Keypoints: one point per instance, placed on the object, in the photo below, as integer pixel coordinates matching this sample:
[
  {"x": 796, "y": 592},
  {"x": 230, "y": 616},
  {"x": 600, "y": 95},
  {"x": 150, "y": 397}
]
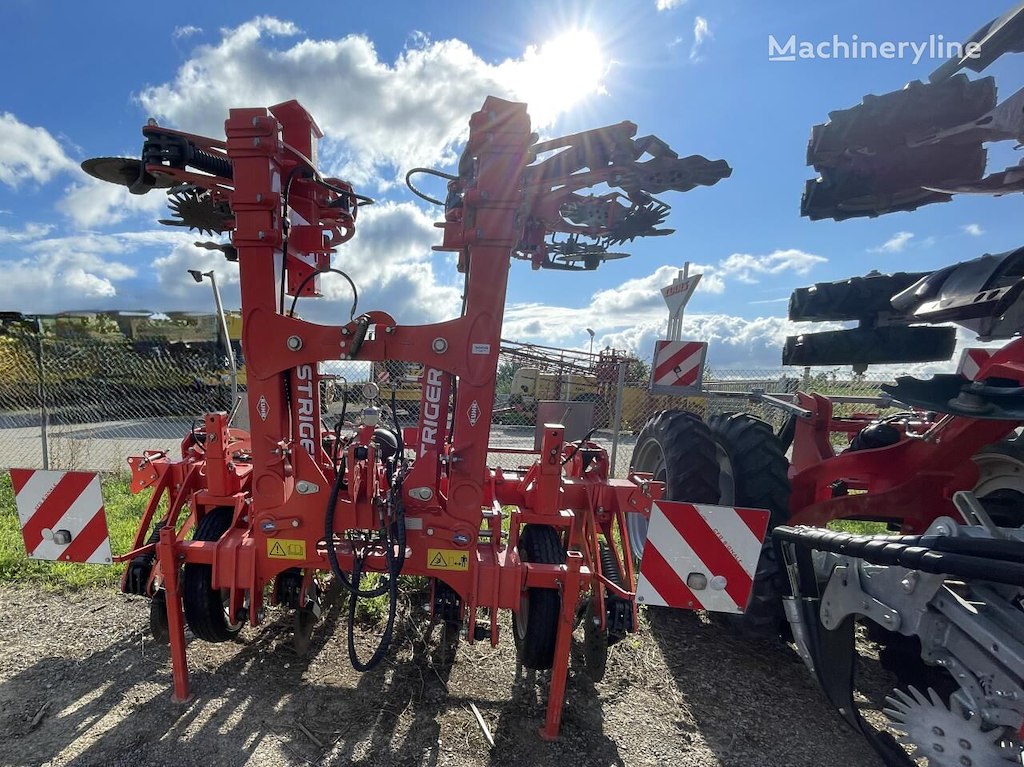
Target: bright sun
[{"x": 559, "y": 74}]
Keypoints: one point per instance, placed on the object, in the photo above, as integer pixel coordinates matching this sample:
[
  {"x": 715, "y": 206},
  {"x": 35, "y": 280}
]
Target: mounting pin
[
  {"x": 440, "y": 345},
  {"x": 294, "y": 343}
]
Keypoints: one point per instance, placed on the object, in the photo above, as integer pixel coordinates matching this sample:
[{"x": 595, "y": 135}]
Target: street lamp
[
  {"x": 198, "y": 277},
  {"x": 591, "y": 344}
]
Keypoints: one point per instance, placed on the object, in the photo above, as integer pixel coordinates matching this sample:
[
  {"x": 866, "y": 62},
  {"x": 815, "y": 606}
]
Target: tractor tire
[
  {"x": 535, "y": 625},
  {"x": 677, "y": 448},
  {"x": 853, "y": 299},
  {"x": 892, "y": 344},
  {"x": 753, "y": 473},
  {"x": 1000, "y": 486},
  {"x": 205, "y": 611}
]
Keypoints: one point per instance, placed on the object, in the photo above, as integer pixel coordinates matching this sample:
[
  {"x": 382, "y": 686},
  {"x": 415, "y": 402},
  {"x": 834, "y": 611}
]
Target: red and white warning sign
[
  {"x": 62, "y": 516},
  {"x": 701, "y": 557},
  {"x": 678, "y": 365},
  {"x": 971, "y": 361}
]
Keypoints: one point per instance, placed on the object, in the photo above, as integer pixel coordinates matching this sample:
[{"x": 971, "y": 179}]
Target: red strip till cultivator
[{"x": 244, "y": 518}]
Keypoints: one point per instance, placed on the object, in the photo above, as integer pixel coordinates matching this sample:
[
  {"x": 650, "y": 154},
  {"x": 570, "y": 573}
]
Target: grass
[{"x": 123, "y": 513}]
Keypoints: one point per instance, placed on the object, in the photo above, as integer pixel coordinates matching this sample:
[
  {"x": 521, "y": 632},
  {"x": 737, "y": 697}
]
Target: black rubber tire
[
  {"x": 602, "y": 412},
  {"x": 871, "y": 346},
  {"x": 886, "y": 122},
  {"x": 759, "y": 480},
  {"x": 675, "y": 446},
  {"x": 596, "y": 641},
  {"x": 853, "y": 299},
  {"x": 158, "y": 625},
  {"x": 204, "y": 605},
  {"x": 1001, "y": 490},
  {"x": 535, "y": 624}
]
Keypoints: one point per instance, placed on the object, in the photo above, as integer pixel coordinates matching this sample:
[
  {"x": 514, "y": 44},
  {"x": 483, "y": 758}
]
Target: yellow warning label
[
  {"x": 280, "y": 548},
  {"x": 447, "y": 559}
]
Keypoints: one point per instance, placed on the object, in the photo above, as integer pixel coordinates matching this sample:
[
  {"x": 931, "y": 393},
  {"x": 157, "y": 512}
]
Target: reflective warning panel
[
  {"x": 61, "y": 515},
  {"x": 701, "y": 557},
  {"x": 678, "y": 367}
]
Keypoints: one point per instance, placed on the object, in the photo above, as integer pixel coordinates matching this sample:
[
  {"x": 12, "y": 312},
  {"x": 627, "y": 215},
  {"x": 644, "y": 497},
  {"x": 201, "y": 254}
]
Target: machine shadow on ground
[
  {"x": 734, "y": 713},
  {"x": 260, "y": 702}
]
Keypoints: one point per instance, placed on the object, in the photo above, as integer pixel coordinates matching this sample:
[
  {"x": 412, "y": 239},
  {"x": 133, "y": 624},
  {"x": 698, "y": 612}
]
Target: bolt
[
  {"x": 256, "y": 141},
  {"x": 259, "y": 197},
  {"x": 938, "y": 731},
  {"x": 887, "y": 618},
  {"x": 389, "y": 329},
  {"x": 261, "y": 235},
  {"x": 344, "y": 331},
  {"x": 295, "y": 523},
  {"x": 440, "y": 345},
  {"x": 294, "y": 343}
]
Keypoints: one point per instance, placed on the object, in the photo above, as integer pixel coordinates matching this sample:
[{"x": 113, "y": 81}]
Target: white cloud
[
  {"x": 30, "y": 231},
  {"x": 59, "y": 274},
  {"x": 29, "y": 154},
  {"x": 894, "y": 244},
  {"x": 973, "y": 229},
  {"x": 379, "y": 116},
  {"x": 668, "y": 5},
  {"x": 92, "y": 204},
  {"x": 389, "y": 260},
  {"x": 186, "y": 31},
  {"x": 701, "y": 32},
  {"x": 747, "y": 268}
]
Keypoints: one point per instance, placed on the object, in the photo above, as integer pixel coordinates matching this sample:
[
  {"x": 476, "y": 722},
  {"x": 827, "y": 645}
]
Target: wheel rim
[
  {"x": 649, "y": 458},
  {"x": 726, "y": 476},
  {"x": 1001, "y": 477}
]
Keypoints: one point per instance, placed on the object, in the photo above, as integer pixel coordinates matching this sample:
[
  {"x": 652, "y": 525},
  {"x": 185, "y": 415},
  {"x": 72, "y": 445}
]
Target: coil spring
[
  {"x": 609, "y": 566},
  {"x": 209, "y": 163}
]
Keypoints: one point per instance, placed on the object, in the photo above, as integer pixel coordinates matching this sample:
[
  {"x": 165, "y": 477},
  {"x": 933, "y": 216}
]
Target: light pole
[
  {"x": 198, "y": 277},
  {"x": 591, "y": 345}
]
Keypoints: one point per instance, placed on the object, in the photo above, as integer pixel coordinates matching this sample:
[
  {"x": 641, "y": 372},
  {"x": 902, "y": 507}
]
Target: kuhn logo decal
[{"x": 474, "y": 413}]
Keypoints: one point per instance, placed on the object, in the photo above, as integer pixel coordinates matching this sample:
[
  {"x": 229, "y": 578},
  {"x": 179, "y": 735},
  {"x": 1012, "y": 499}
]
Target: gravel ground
[{"x": 82, "y": 683}]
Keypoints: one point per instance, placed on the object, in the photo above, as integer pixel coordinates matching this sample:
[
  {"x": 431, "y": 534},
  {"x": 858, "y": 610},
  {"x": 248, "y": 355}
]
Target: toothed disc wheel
[{"x": 945, "y": 738}]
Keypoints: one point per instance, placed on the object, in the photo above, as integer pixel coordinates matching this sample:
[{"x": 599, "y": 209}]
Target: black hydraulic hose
[
  {"x": 886, "y": 551},
  {"x": 332, "y": 553},
  {"x": 385, "y": 640}
]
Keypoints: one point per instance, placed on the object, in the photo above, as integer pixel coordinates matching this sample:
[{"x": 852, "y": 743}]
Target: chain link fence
[{"x": 81, "y": 399}]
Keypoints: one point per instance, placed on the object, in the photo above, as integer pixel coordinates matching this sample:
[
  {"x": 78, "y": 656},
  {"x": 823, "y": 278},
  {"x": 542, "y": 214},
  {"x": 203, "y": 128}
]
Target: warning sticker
[
  {"x": 447, "y": 559},
  {"x": 280, "y": 548}
]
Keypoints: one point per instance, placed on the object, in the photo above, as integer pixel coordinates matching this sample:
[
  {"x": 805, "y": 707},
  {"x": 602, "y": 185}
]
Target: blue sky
[{"x": 394, "y": 85}]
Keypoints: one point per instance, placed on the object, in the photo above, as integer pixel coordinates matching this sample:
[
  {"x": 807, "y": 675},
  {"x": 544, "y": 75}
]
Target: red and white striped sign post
[
  {"x": 62, "y": 515},
  {"x": 701, "y": 557},
  {"x": 678, "y": 367}
]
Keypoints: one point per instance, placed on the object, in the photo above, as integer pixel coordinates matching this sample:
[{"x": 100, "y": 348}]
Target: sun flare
[{"x": 559, "y": 74}]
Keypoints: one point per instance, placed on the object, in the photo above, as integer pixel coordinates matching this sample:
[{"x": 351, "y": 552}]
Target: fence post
[
  {"x": 44, "y": 415},
  {"x": 620, "y": 386}
]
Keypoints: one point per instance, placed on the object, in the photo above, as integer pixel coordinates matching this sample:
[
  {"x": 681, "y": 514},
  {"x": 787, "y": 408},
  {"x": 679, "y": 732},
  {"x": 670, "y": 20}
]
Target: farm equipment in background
[
  {"x": 244, "y": 518},
  {"x": 942, "y": 591}
]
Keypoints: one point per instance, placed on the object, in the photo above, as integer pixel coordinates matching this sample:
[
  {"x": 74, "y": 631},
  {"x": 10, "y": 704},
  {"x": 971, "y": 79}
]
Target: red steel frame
[
  {"x": 277, "y": 477},
  {"x": 911, "y": 482}
]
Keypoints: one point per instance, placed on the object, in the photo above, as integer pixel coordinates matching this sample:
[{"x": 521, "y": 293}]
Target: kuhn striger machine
[{"x": 243, "y": 518}]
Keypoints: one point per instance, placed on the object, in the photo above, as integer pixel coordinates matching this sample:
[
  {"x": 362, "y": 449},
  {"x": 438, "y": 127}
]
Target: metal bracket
[{"x": 844, "y": 596}]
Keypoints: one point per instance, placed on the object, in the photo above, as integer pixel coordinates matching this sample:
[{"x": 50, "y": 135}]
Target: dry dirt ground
[{"x": 82, "y": 683}]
